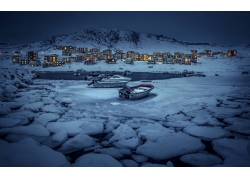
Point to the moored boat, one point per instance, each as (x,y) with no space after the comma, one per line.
(135,92)
(108,84)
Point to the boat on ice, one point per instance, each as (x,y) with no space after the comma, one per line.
(108,84)
(135,92)
(117,78)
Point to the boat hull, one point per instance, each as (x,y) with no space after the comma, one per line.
(100,84)
(136,92)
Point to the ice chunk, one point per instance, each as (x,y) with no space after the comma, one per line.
(29,153)
(139,158)
(231,147)
(76,143)
(36,106)
(36,130)
(174,144)
(114,152)
(201,159)
(8,122)
(129,143)
(45,118)
(153,131)
(122,132)
(206,133)
(235,161)
(96,160)
(240,127)
(129,163)
(51,108)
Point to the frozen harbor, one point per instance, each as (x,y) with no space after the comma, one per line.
(194,121)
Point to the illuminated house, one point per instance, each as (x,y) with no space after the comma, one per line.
(104,56)
(46,59)
(107,51)
(66,61)
(80,58)
(94,50)
(231,53)
(177,55)
(145,57)
(83,50)
(69,48)
(137,56)
(123,55)
(32,55)
(54,59)
(24,62)
(117,56)
(16,59)
(130,54)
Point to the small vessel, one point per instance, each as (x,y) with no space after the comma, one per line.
(117,78)
(108,84)
(135,92)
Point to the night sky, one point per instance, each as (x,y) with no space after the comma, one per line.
(221,27)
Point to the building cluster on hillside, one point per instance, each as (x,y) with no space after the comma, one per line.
(91,56)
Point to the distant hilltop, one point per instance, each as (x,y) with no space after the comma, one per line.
(108,39)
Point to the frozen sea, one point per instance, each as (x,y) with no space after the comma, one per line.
(184,122)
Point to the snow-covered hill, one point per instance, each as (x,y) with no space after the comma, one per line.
(114,39)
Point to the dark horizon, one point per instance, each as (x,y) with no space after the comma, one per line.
(220,27)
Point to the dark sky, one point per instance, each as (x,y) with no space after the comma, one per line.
(222,28)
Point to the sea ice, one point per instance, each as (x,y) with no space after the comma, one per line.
(114,152)
(174,144)
(122,132)
(206,133)
(129,163)
(153,131)
(29,153)
(45,118)
(8,122)
(230,147)
(36,130)
(76,143)
(139,158)
(96,160)
(201,159)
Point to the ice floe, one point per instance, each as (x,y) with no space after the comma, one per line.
(201,159)
(230,147)
(76,143)
(122,132)
(96,160)
(36,130)
(114,152)
(29,153)
(129,163)
(206,133)
(45,118)
(174,144)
